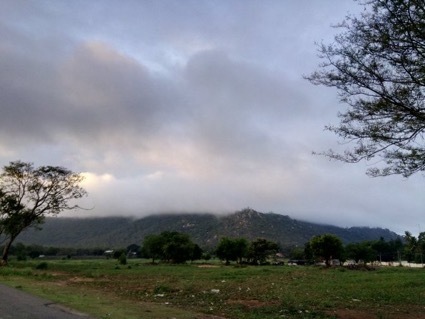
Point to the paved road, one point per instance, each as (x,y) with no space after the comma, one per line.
(17,304)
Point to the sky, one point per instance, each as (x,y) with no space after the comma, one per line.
(189,106)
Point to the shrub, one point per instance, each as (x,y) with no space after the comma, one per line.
(123,259)
(42,266)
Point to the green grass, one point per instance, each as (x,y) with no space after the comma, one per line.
(140,290)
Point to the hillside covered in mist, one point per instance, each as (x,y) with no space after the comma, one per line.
(205,229)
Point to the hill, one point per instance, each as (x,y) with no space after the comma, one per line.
(204,229)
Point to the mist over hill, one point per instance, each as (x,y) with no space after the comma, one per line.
(204,229)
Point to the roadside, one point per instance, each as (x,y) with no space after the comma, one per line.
(18,304)
(60,299)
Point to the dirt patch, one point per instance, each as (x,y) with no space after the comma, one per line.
(69,281)
(81,279)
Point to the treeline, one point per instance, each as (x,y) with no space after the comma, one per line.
(23,252)
(175,247)
(328,247)
(168,247)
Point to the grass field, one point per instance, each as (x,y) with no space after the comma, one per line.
(105,289)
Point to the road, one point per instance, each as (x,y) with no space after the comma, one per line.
(17,304)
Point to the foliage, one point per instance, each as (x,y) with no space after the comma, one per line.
(260,249)
(172,247)
(122,259)
(414,247)
(42,266)
(361,252)
(377,65)
(22,251)
(236,249)
(308,251)
(388,251)
(366,251)
(197,253)
(116,254)
(28,194)
(152,247)
(297,253)
(326,247)
(232,249)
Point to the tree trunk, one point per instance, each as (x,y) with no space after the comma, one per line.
(5,257)
(328,262)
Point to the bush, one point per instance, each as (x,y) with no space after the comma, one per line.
(42,266)
(123,259)
(21,257)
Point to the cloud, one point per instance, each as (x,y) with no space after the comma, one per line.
(194,107)
(218,146)
(109,91)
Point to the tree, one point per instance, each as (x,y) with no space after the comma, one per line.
(327,247)
(377,66)
(421,246)
(225,250)
(122,259)
(152,247)
(361,251)
(394,249)
(171,247)
(230,249)
(308,252)
(178,247)
(382,249)
(197,252)
(260,249)
(414,247)
(28,195)
(297,253)
(411,246)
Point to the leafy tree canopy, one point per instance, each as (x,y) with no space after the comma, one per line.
(326,247)
(232,249)
(28,195)
(377,64)
(414,247)
(260,249)
(171,246)
(361,252)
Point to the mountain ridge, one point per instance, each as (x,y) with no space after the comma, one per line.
(204,229)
